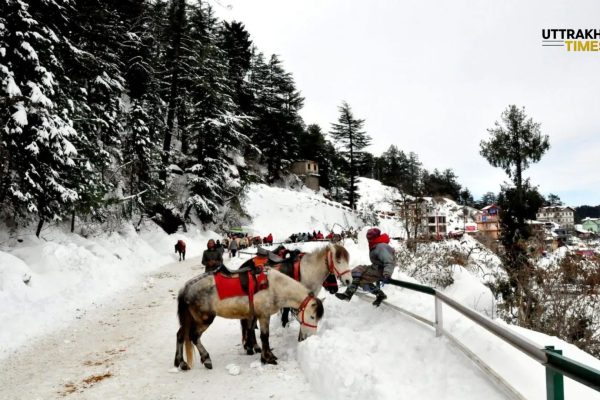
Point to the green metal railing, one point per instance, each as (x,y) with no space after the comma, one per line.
(556,364)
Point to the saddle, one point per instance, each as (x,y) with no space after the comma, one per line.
(271,256)
(243,282)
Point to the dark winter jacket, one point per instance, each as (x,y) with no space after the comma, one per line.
(382,257)
(212,259)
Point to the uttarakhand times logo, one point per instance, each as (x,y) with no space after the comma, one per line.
(572,39)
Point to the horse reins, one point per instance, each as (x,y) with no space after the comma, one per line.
(301,310)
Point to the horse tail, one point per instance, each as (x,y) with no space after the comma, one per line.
(185,322)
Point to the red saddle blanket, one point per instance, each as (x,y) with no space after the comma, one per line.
(244,284)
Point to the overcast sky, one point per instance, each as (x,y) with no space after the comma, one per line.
(432,76)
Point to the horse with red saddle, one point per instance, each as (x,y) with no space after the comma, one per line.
(247,294)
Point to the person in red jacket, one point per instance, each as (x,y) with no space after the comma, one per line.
(270,239)
(382,266)
(319,236)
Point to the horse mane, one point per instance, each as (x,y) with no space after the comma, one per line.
(342,252)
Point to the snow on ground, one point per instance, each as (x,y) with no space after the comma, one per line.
(96,320)
(124,349)
(47,283)
(522,372)
(366,353)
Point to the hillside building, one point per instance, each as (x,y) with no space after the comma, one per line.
(591,224)
(563,216)
(308,171)
(488,221)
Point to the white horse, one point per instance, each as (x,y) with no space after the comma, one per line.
(199,304)
(313,270)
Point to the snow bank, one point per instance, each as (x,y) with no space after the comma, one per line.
(367,353)
(46,283)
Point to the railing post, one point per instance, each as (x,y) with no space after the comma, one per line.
(439,319)
(555,389)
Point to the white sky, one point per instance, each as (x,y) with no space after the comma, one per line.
(432,76)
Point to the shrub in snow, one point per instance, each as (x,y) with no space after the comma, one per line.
(431,264)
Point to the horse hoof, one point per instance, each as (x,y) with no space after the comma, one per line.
(184,366)
(250,352)
(208,364)
(269,360)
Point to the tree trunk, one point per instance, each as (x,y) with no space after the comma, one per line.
(39,227)
(73,221)
(174,86)
(519,182)
(351,168)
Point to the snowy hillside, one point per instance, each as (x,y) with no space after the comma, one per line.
(376,196)
(283,212)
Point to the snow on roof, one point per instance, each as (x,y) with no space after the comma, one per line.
(488,207)
(556,208)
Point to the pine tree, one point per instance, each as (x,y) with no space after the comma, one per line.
(349,136)
(37,134)
(96,87)
(277,123)
(176,28)
(394,166)
(513,145)
(215,120)
(412,181)
(234,40)
(441,184)
(141,152)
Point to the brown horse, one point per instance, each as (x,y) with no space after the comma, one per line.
(199,304)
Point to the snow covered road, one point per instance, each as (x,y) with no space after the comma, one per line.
(125,350)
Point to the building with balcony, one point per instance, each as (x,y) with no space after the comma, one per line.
(488,221)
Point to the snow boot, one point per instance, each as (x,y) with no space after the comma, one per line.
(379,297)
(347,295)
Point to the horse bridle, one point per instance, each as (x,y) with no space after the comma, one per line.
(302,308)
(331,266)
